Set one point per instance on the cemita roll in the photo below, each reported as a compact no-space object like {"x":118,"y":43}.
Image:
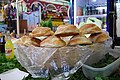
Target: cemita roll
{"x":53,"y":41}
{"x":99,"y":37}
{"x":79,"y":39}
{"x":41,"y":31}
{"x":66,"y":30}
{"x":89,"y":29}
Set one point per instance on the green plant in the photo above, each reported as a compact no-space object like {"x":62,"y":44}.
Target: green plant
{"x":105,"y":61}
{"x":47,"y":23}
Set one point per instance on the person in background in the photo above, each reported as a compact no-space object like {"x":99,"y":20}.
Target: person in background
{"x":9,"y":12}
{"x":4,"y":15}
{"x":14,"y":12}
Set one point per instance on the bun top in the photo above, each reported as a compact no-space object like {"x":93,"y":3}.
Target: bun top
{"x":70,"y":34}
{"x":100,"y":37}
{"x":66,"y":30}
{"x":41,"y":31}
{"x":53,"y":41}
{"x":79,"y":39}
{"x":89,"y":29}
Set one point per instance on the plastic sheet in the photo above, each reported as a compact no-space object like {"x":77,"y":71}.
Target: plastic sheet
{"x":56,"y":62}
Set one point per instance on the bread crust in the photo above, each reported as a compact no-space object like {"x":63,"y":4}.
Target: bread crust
{"x":99,"y":38}
{"x":89,"y":29}
{"x":24,"y":40}
{"x":79,"y":39}
{"x":41,"y":31}
{"x":53,"y":41}
{"x":66,"y":30}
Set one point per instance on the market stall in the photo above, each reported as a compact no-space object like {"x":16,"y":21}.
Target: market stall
{"x":34,"y":12}
{"x":61,"y":57}
{"x":47,"y":10}
{"x":67,"y":53}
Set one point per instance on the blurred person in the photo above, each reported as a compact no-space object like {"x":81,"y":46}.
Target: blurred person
{"x":4,"y":15}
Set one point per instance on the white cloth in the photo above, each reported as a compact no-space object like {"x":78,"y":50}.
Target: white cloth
{"x":14,"y":74}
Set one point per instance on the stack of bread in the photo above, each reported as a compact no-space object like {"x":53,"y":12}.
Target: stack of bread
{"x":96,"y":34}
{"x":58,"y":51}
{"x":45,"y":37}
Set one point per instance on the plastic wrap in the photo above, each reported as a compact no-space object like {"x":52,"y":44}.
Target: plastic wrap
{"x":56,"y":62}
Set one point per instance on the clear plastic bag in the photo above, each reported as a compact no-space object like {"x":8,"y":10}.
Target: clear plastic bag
{"x":56,"y":62}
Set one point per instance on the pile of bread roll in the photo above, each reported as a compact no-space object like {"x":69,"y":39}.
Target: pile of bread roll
{"x":45,"y":37}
